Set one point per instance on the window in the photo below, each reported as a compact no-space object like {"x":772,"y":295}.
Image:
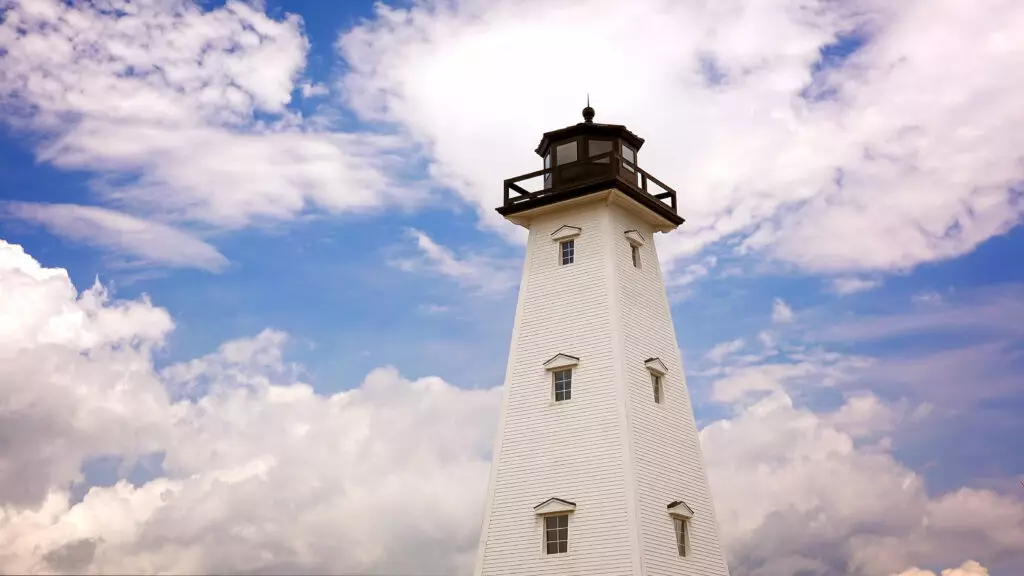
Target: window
{"x":629,"y":155}
{"x":636,"y":255}
{"x":556,"y":533}
{"x":562,"y":381}
{"x":682,"y":536}
{"x":567,"y":251}
{"x":656,"y":385}
{"x":597,"y":147}
{"x":547,"y":164}
{"x":565,"y":153}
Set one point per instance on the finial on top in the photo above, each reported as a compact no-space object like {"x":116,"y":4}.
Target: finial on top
{"x":588,"y":112}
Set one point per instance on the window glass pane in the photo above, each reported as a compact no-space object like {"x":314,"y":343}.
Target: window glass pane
{"x":630,"y":155}
{"x":656,"y":382}
{"x":635,"y":250}
{"x":547,"y":164}
{"x":566,"y":153}
{"x":595,"y":147}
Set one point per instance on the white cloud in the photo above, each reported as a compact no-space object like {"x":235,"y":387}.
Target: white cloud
{"x":260,"y":473}
{"x":184,"y":113}
{"x":851,"y":285}
{"x":257,"y":467}
{"x":723,"y":349}
{"x":311,"y":90}
{"x":781,"y":312}
{"x":151,"y":242}
{"x":476,"y":271}
{"x":910,"y":160}
{"x":969,"y":568}
{"x":793,"y":492}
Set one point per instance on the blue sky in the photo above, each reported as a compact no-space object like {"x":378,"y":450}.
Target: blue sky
{"x":339,"y":187}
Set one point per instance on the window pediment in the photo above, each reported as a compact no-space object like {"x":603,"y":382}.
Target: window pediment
{"x":656,"y":365}
{"x":634,"y":237}
{"x":680,"y":509}
{"x":554,"y":506}
{"x":561,"y":362}
{"x":565,"y":232}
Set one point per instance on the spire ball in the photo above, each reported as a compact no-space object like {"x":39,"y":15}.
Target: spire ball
{"x":588,"y":114}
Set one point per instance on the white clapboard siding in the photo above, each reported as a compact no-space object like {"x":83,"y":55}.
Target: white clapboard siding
{"x":610,"y":449}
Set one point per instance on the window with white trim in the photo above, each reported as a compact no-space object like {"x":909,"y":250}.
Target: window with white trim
{"x":567,"y":251}
{"x":656,"y":385}
{"x":556,"y":533}
{"x":561,"y":381}
{"x":635,"y":251}
{"x":682,"y":535}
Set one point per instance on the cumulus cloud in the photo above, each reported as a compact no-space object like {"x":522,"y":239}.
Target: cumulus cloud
{"x":969,"y":568}
{"x":183,"y":113}
{"x":152,"y":243}
{"x":897,"y":155}
{"x":795,"y":493}
{"x":257,"y":472}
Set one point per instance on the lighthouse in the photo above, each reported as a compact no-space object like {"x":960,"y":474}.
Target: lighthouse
{"x":597,"y":466}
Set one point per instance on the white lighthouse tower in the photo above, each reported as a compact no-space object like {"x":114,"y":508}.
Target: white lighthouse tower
{"x":597,"y":467}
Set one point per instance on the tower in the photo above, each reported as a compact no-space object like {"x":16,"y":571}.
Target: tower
{"x":597,"y":467}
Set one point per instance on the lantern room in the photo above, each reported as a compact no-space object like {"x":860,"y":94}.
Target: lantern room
{"x":586,"y":158}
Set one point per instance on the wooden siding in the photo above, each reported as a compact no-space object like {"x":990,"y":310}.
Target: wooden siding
{"x":610,"y":449}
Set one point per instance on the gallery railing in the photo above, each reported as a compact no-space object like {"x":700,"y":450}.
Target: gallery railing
{"x":601,"y":167}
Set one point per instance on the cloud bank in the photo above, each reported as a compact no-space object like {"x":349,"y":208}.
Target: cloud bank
{"x":230,"y":463}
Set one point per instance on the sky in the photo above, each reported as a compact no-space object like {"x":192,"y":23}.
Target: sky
{"x":256,"y":303}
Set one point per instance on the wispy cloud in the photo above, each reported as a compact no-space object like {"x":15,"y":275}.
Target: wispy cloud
{"x":150,"y":243}
{"x":994,"y":310}
{"x":478,"y":273}
{"x":185,"y":112}
{"x":781,"y":312}
{"x":853,"y":284}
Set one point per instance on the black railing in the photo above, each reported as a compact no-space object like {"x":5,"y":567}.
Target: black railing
{"x":587,"y":171}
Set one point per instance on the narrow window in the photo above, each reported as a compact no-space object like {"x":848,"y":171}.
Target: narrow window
{"x":547,"y":176}
{"x":567,"y":251}
{"x":682,"y":538}
{"x":556,"y":533}
{"x":636,"y":255}
{"x":656,"y":384}
{"x":566,"y":153}
{"x":629,"y":155}
{"x":562,"y":380}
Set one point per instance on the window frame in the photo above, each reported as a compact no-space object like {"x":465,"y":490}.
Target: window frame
{"x":634,"y":253}
{"x":566,"y":388}
{"x":682,"y":531}
{"x":558,"y":531}
{"x":658,"y":386}
{"x":562,"y":244}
